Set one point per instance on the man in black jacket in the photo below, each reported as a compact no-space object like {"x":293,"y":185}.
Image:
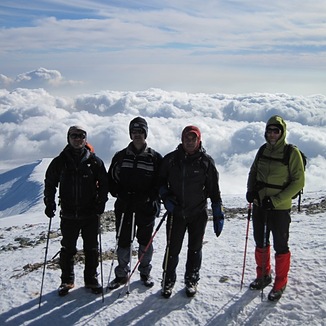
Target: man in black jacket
{"x":133,"y":176}
{"x":188,"y":177}
{"x":83,"y":188}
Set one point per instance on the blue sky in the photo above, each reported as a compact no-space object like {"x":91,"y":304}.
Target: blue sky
{"x":211,"y":47}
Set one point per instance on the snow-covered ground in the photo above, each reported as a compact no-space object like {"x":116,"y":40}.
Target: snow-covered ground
{"x":219,"y":300}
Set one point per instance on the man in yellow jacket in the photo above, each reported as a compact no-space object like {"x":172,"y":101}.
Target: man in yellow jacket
{"x":272,"y":183}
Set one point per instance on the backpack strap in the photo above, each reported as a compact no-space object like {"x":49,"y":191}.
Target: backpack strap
{"x":286,"y":157}
{"x":94,"y":166}
{"x":285,"y":160}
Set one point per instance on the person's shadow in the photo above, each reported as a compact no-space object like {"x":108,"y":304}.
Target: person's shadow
{"x":232,"y":310}
{"x":80,"y":306}
{"x":152,"y":309}
{"x":54,"y":310}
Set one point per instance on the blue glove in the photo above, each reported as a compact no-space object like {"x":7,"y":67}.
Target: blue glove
{"x":168,"y":199}
{"x":267,"y":203}
{"x":218,"y":225}
{"x":218,"y":218}
{"x":169,"y":205}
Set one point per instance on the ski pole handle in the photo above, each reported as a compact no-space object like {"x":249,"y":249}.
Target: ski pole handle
{"x":249,"y":211}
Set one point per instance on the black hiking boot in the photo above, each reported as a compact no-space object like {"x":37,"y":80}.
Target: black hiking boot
{"x":191,"y":281}
{"x":117,"y":282}
{"x":167,"y":289}
{"x":147,"y":280}
{"x":64,"y":288}
{"x":260,"y":283}
{"x":191,"y":289}
{"x":275,"y":295}
{"x":93,"y":284}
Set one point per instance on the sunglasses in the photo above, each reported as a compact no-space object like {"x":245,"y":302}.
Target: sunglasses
{"x":137,"y":131}
{"x":275,"y":131}
{"x":77,"y":136}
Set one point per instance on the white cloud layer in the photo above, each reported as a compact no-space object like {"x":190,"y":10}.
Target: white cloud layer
{"x":34,"y":124}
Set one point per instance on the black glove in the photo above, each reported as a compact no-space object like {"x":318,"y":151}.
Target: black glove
{"x":50,"y":210}
{"x":152,"y":207}
{"x":267,"y":203}
{"x":157,"y":207}
{"x":99,"y":208}
{"x":251,"y":196}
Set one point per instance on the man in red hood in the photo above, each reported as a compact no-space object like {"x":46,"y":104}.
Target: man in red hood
{"x":188,"y":177}
{"x":191,"y":139}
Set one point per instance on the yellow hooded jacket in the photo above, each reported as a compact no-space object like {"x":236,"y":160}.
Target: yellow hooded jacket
{"x":268,"y":171}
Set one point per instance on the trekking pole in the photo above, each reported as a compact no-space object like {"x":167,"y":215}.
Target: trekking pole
{"x":299,"y":201}
{"x":101,"y":258}
{"x":264,"y":263}
{"x":131,"y":248}
{"x":46,"y":253}
{"x":115,"y":249}
{"x":246,"y":243}
{"x":146,"y":248}
{"x":167,"y":251}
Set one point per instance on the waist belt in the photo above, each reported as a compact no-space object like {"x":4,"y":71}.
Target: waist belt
{"x":260,"y":185}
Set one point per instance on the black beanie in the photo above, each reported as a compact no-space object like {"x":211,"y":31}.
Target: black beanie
{"x":138,"y":122}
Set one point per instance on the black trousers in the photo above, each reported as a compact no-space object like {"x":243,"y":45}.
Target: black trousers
{"x":70,"y":230}
{"x":278,"y":223}
{"x":196,"y":230}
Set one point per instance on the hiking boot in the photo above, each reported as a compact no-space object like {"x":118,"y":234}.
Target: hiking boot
{"x":260,"y":283}
{"x":191,"y":281}
{"x":117,"y":282}
{"x":191,"y":288}
{"x":94,"y":285}
{"x":64,"y":288}
{"x":147,"y":280}
{"x":167,"y":289}
{"x":275,"y":295}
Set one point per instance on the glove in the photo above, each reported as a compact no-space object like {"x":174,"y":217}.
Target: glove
{"x":99,"y":208}
{"x":267,"y":203}
{"x":168,"y":199}
{"x":152,"y":207}
{"x":218,"y":218}
{"x":50,"y":210}
{"x":169,"y":204}
{"x":157,"y":207}
{"x":251,"y":196}
{"x":218,"y":225}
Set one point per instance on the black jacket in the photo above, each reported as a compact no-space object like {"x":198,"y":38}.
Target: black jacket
{"x":82,"y":180}
{"x":133,"y":176}
{"x":190,"y":180}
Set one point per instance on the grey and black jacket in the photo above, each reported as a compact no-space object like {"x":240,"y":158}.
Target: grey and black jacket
{"x":133,"y":176}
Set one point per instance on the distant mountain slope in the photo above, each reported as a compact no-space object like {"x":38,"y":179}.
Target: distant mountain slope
{"x":21,"y":189}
